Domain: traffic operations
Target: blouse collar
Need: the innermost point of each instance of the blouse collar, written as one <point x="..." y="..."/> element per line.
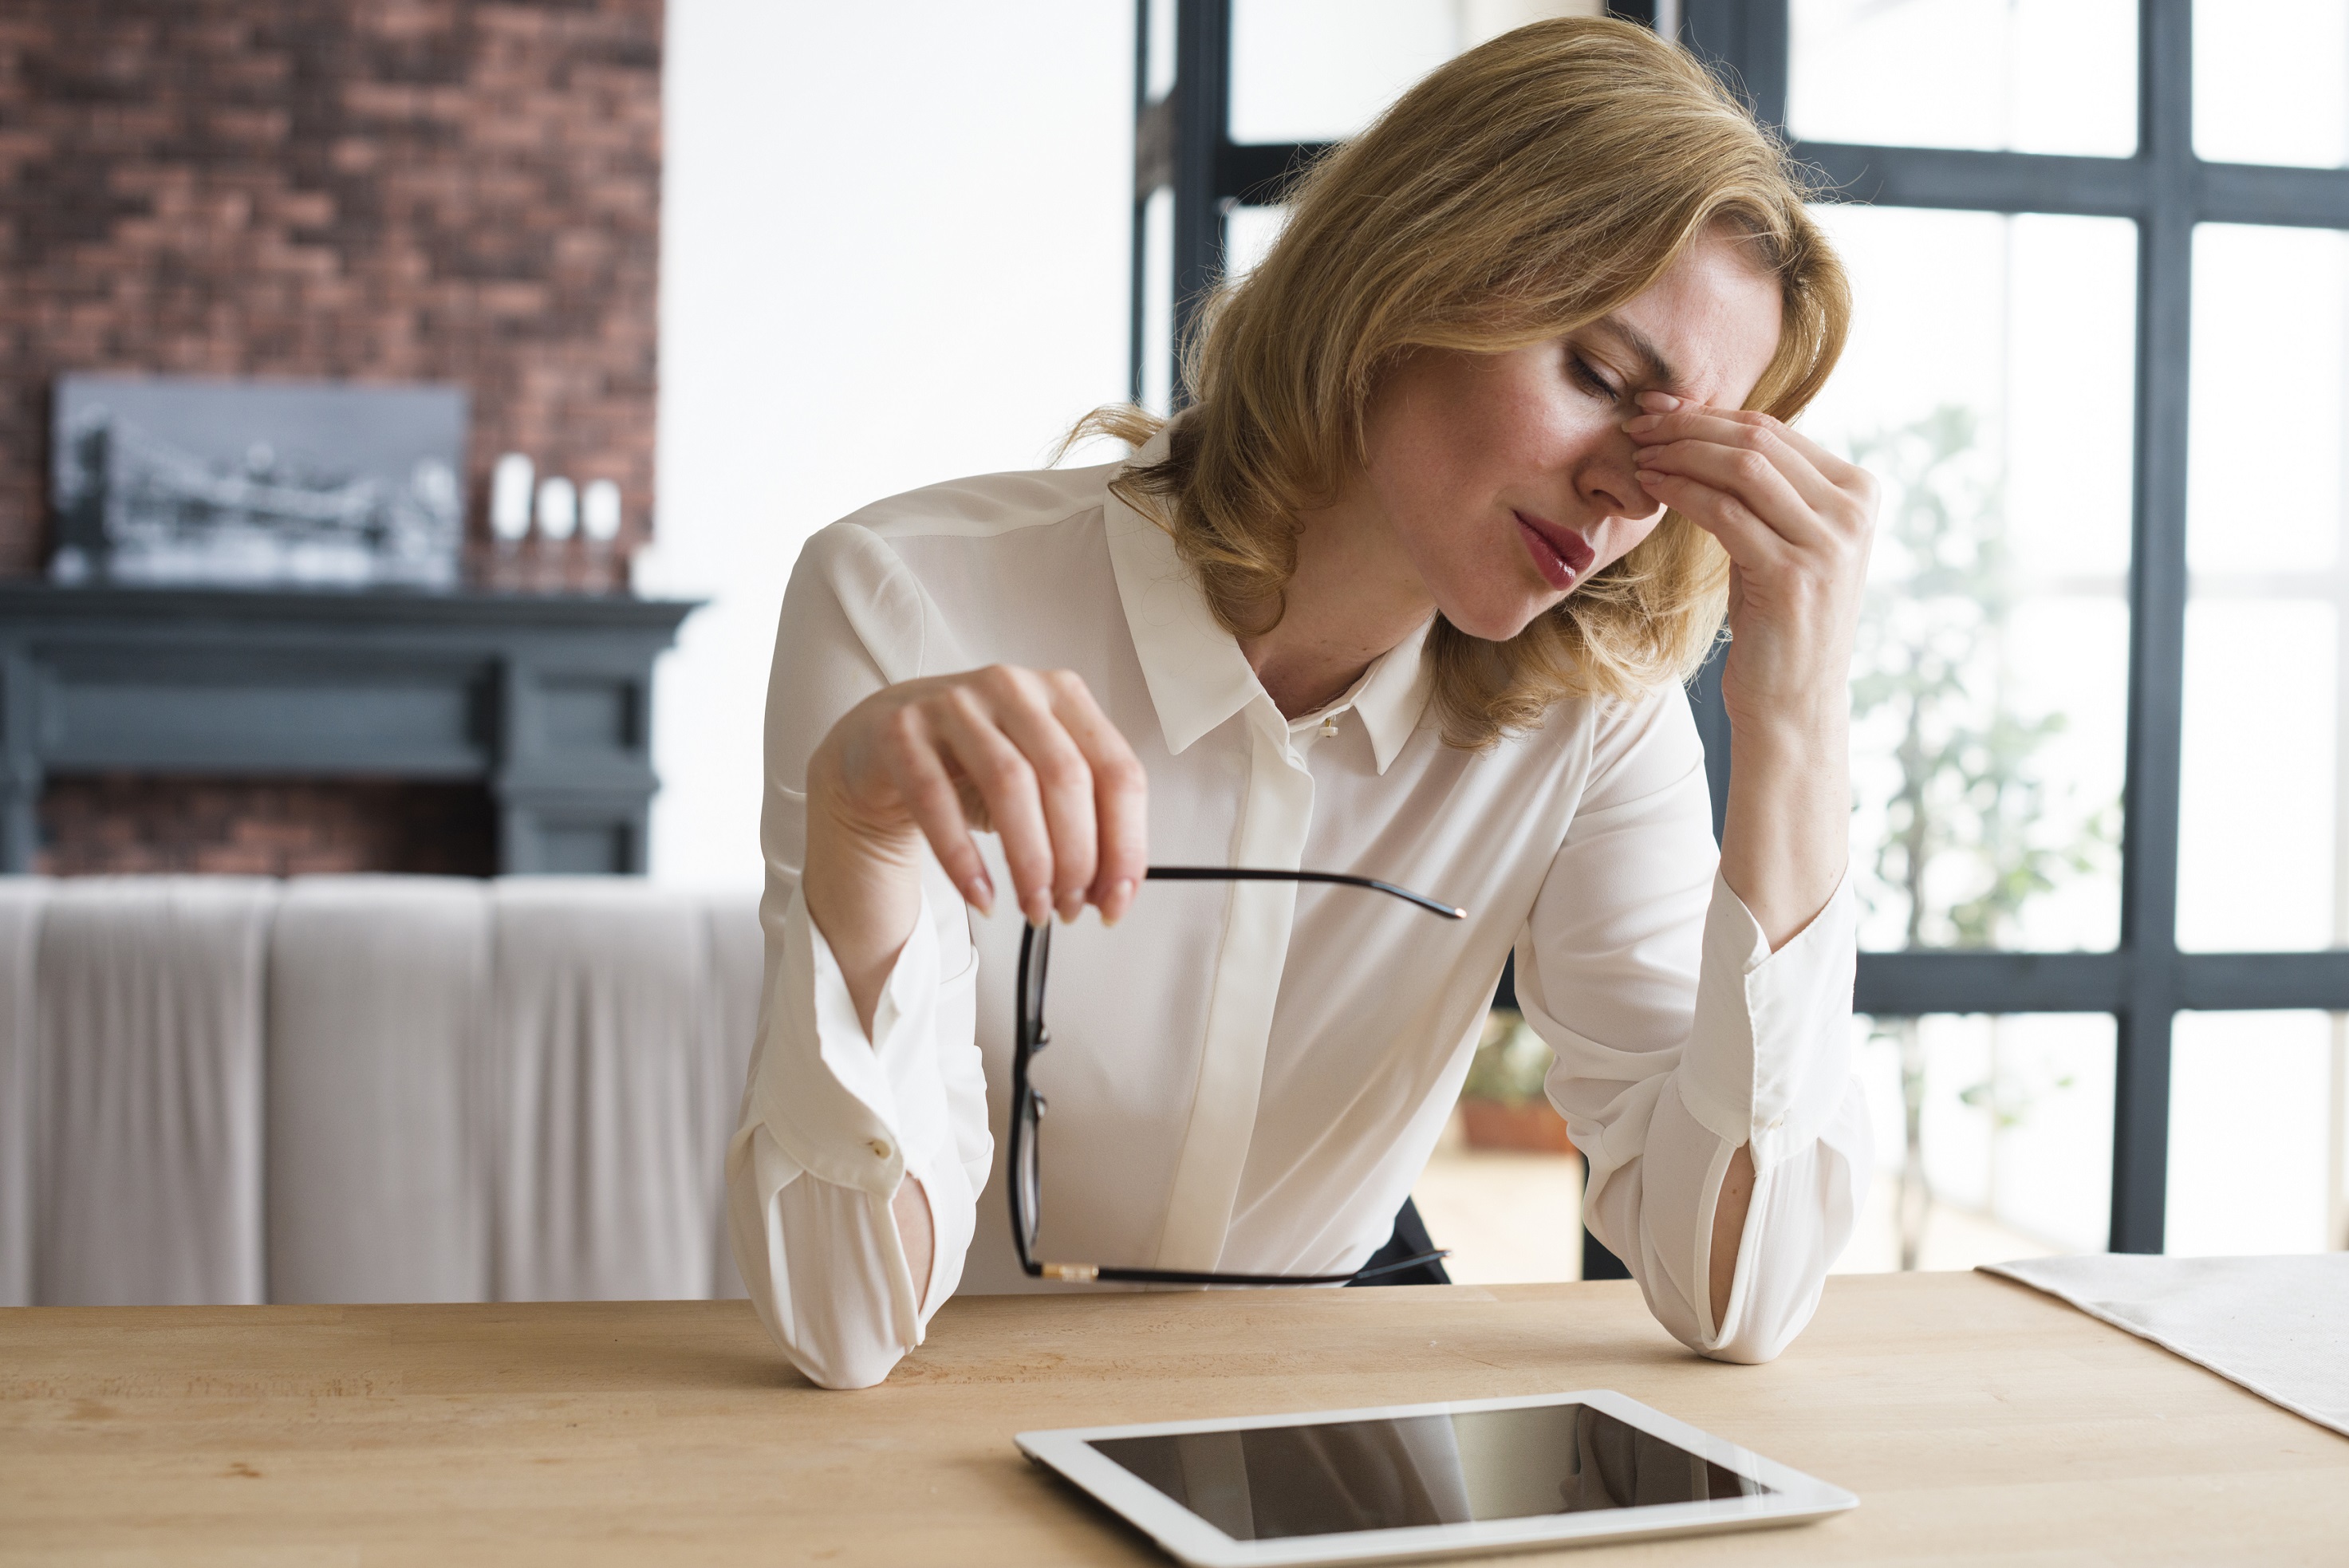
<point x="1197" y="675"/>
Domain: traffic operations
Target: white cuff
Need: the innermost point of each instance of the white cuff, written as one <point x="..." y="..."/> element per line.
<point x="1769" y="1052"/>
<point x="821" y="1258"/>
<point x="840" y="1104"/>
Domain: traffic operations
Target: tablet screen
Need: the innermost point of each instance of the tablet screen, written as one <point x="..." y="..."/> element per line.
<point x="1259" y="1483"/>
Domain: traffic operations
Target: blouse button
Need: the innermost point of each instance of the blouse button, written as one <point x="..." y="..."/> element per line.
<point x="880" y="1147"/>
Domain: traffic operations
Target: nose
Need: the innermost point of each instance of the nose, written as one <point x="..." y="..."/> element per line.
<point x="1608" y="477"/>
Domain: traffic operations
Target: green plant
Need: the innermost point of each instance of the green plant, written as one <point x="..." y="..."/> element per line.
<point x="1968" y="839"/>
<point x="1511" y="1061"/>
<point x="1964" y="847"/>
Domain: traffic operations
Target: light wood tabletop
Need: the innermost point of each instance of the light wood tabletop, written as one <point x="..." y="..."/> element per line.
<point x="1976" y="1420"/>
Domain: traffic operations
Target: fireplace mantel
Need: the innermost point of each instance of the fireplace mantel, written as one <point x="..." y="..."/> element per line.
<point x="544" y="699"/>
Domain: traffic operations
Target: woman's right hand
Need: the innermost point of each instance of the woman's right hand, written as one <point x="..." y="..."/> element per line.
<point x="1025" y="754"/>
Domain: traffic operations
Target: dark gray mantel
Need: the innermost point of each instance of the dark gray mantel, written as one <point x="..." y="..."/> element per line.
<point x="547" y="700"/>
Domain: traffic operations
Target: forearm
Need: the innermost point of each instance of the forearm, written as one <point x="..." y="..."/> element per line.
<point x="1786" y="834"/>
<point x="862" y="880"/>
<point x="916" y="1233"/>
<point x="1729" y="1211"/>
<point x="1784" y="846"/>
<point x="865" y="898"/>
<point x="865" y="902"/>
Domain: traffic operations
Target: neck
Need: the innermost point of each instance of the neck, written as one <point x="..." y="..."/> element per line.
<point x="1353" y="599"/>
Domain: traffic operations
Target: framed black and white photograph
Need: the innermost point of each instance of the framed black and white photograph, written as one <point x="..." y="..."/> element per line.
<point x="177" y="481"/>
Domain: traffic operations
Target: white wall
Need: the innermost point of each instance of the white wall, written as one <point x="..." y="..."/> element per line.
<point x="892" y="250"/>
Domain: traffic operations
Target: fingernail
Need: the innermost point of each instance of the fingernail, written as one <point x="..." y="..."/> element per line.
<point x="981" y="896"/>
<point x="1121" y="899"/>
<point x="1640" y="424"/>
<point x="1647" y="455"/>
<point x="1037" y="909"/>
<point x="1662" y="402"/>
<point x="1651" y="477"/>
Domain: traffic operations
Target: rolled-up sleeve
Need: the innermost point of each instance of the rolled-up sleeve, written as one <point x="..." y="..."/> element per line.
<point x="1681" y="1036"/>
<point x="834" y="1119"/>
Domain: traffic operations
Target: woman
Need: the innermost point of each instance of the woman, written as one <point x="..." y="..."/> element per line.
<point x="1477" y="458"/>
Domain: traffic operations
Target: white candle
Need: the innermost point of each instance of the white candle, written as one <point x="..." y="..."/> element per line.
<point x="599" y="511"/>
<point x="558" y="509"/>
<point x="509" y="498"/>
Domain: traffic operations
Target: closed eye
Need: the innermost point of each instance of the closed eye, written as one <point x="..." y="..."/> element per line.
<point x="1590" y="380"/>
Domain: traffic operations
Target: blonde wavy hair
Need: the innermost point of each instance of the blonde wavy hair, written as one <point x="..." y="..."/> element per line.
<point x="1520" y="191"/>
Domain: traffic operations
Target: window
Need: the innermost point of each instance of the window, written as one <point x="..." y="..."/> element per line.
<point x="2100" y="248"/>
<point x="1988" y="384"/>
<point x="1993" y="1137"/>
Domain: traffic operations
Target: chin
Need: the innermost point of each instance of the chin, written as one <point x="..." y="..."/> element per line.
<point x="1494" y="622"/>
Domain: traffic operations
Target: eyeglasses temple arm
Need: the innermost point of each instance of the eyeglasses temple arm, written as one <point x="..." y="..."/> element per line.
<point x="1262" y="873"/>
<point x="1084" y="1273"/>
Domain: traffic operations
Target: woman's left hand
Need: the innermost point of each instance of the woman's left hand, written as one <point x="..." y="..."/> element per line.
<point x="1796" y="521"/>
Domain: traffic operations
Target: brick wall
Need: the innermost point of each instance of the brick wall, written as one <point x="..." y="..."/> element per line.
<point x="370" y="190"/>
<point x="112" y="823"/>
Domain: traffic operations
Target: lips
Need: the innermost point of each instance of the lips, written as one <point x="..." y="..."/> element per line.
<point x="1558" y="554"/>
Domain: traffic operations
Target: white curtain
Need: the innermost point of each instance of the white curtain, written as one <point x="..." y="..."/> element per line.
<point x="738" y="957"/>
<point x="147" y="1159"/>
<point x="379" y="1099"/>
<point x="369" y="1088"/>
<point x="601" y="1011"/>
<point x="20" y="923"/>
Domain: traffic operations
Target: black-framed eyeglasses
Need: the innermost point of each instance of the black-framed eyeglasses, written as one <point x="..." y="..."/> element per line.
<point x="1024" y="1165"/>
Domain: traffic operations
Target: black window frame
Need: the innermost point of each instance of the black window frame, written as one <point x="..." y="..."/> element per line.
<point x="2165" y="189"/>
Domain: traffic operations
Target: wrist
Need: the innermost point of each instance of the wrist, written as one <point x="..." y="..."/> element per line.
<point x="855" y="882"/>
<point x="846" y="834"/>
<point x="1820" y="735"/>
<point x="862" y="883"/>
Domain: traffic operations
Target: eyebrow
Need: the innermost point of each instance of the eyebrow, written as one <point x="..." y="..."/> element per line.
<point x="1657" y="370"/>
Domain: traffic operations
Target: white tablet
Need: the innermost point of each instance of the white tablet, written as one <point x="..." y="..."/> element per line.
<point x="1426" y="1481"/>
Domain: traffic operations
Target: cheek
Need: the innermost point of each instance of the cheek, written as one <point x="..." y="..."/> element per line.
<point x="1533" y="430"/>
<point x="1474" y="427"/>
<point x="1626" y="535"/>
<point x="1433" y="464"/>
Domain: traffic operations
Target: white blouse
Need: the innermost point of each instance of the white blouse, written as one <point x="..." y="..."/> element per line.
<point x="1250" y="1076"/>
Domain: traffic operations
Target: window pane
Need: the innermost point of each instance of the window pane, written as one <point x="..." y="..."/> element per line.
<point x="1158" y="300"/>
<point x="2260" y="839"/>
<point x="2012" y="1150"/>
<point x="1248" y="234"/>
<point x="1320" y="70"/>
<point x="2255" y="1133"/>
<point x="1989" y="383"/>
<point x="1158" y="38"/>
<point x="2271" y="82"/>
<point x="2022" y="76"/>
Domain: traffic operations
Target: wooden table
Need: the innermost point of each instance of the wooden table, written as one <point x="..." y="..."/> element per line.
<point x="1976" y="1420"/>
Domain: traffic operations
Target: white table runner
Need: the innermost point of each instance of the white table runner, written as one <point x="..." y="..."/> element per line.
<point x="2278" y="1327"/>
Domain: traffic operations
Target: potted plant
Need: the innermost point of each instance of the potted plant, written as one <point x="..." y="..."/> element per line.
<point x="1503" y="1104"/>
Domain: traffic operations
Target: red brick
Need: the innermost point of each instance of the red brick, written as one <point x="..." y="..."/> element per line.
<point x="112" y="824"/>
<point x="426" y="189"/>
